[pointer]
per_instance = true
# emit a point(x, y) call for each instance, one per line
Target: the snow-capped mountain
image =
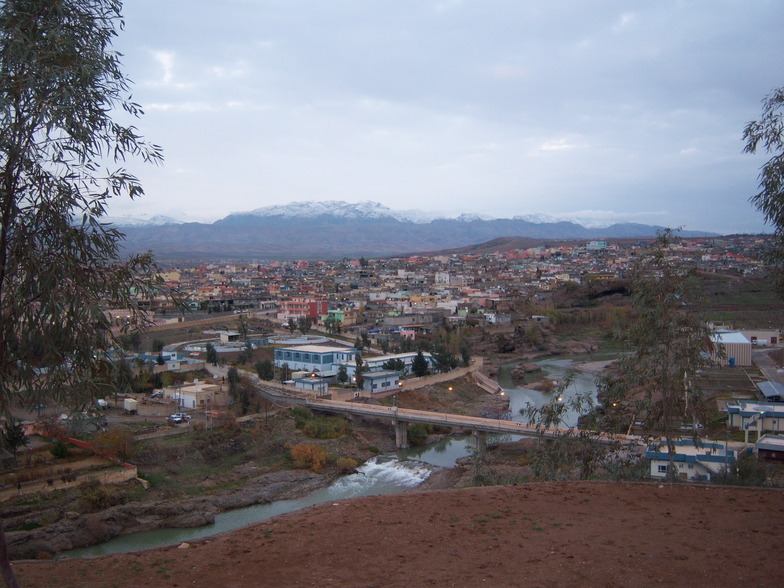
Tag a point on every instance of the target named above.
point(153, 221)
point(336, 208)
point(336, 229)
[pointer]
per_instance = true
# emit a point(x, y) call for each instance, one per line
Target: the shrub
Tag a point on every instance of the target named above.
point(417, 434)
point(325, 427)
point(300, 413)
point(309, 456)
point(94, 496)
point(117, 441)
point(59, 449)
point(346, 465)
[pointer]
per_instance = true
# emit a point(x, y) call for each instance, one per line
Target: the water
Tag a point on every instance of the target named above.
point(443, 454)
point(379, 475)
point(556, 369)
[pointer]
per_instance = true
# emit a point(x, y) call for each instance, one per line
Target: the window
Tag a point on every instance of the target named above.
point(662, 469)
point(691, 466)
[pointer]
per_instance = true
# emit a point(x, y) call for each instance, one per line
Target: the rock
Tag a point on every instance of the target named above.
point(522, 369)
point(183, 546)
point(78, 531)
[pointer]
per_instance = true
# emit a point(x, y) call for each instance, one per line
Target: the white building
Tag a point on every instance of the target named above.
point(762, 417)
point(315, 358)
point(731, 348)
point(692, 462)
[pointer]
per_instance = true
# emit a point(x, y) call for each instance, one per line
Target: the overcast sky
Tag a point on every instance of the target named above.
point(603, 110)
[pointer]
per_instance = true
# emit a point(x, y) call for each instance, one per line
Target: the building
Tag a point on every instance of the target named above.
point(770, 447)
point(318, 386)
point(771, 391)
point(763, 417)
point(730, 348)
point(376, 364)
point(763, 337)
point(198, 395)
point(300, 307)
point(381, 381)
point(693, 462)
point(229, 337)
point(315, 358)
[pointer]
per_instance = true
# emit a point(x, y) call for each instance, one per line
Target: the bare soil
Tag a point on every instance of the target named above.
point(549, 534)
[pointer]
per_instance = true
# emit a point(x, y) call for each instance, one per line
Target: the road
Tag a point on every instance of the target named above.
point(761, 358)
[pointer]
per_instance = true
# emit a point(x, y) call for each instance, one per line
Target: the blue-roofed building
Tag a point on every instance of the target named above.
point(762, 417)
point(771, 391)
point(693, 462)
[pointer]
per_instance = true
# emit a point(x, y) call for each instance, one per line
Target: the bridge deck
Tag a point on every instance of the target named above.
point(448, 419)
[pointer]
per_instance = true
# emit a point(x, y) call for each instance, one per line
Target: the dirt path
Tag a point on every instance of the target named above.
point(565, 534)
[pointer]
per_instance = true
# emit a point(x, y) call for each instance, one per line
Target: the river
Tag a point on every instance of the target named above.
point(379, 475)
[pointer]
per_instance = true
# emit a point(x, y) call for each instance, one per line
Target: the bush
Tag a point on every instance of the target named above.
point(300, 412)
point(59, 449)
point(94, 497)
point(117, 441)
point(417, 434)
point(309, 456)
point(346, 465)
point(747, 470)
point(325, 427)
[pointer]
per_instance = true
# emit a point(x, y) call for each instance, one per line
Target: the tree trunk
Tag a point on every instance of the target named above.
point(9, 577)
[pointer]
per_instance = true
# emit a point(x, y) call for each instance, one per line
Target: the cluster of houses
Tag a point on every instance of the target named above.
point(399, 296)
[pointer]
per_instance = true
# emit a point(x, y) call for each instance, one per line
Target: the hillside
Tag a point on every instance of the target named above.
point(553, 534)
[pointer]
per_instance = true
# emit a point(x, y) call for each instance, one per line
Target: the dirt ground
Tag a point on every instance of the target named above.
point(550, 534)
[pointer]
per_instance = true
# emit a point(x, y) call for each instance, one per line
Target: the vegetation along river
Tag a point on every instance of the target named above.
point(380, 475)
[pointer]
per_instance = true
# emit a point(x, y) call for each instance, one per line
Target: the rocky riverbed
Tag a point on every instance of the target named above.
point(74, 531)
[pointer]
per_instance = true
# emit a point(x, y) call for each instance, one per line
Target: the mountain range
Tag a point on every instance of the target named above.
point(334, 229)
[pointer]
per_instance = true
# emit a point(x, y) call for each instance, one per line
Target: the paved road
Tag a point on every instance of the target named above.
point(762, 360)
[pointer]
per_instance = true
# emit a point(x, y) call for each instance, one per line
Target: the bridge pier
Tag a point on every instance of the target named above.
point(401, 434)
point(481, 441)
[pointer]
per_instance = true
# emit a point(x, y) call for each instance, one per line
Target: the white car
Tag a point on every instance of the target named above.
point(179, 417)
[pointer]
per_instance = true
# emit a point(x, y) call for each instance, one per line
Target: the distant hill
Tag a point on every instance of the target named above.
point(324, 230)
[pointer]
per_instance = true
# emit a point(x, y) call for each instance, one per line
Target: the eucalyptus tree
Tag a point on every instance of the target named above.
point(767, 134)
point(62, 157)
point(668, 343)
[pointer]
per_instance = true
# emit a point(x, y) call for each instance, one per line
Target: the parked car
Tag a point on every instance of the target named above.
point(183, 416)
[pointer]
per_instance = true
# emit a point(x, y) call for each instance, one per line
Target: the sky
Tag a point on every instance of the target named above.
point(603, 111)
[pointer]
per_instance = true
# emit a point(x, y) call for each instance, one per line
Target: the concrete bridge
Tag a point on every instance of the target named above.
point(402, 416)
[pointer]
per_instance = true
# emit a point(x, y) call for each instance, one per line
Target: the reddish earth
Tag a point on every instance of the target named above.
point(555, 534)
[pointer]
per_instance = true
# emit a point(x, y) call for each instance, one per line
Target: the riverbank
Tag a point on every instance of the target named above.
point(549, 534)
point(202, 473)
point(74, 530)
